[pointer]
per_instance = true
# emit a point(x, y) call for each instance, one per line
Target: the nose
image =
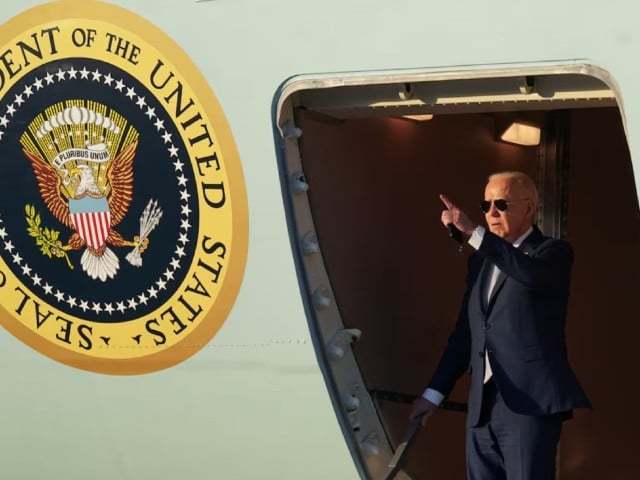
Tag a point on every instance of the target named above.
point(493, 211)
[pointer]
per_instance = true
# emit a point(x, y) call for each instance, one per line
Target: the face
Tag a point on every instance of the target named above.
point(518, 217)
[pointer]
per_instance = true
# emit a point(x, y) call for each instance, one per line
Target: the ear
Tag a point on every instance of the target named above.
point(530, 210)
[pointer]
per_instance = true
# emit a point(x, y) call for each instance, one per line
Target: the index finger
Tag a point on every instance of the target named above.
point(446, 202)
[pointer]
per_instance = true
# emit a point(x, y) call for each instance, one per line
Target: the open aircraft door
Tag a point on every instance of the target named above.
point(363, 158)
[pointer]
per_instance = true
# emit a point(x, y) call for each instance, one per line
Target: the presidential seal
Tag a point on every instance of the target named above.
point(123, 212)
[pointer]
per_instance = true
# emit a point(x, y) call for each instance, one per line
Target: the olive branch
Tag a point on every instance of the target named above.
point(45, 237)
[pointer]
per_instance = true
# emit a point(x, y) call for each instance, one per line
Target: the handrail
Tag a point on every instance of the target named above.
point(402, 451)
point(400, 456)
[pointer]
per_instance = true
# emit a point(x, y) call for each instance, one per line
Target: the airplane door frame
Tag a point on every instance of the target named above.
point(332, 95)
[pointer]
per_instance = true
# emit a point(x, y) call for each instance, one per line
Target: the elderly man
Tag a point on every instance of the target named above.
point(510, 334)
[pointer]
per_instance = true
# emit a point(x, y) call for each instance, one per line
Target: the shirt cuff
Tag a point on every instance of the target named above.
point(433, 396)
point(475, 240)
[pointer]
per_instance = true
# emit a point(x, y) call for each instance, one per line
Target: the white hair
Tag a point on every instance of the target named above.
point(522, 180)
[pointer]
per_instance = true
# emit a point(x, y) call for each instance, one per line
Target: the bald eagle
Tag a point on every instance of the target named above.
point(109, 207)
point(87, 184)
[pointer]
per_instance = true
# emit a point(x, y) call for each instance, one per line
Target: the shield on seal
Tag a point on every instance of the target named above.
point(91, 218)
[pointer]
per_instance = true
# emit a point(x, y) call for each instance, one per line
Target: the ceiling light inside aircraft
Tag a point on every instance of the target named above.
point(419, 118)
point(521, 133)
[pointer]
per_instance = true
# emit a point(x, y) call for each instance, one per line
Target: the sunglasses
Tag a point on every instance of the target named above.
point(501, 204)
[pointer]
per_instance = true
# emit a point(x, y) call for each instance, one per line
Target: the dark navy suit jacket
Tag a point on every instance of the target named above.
point(522, 329)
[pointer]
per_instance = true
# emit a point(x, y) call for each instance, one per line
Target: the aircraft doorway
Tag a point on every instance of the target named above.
point(377, 266)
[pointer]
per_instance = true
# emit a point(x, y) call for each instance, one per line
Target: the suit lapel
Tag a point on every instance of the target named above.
point(483, 284)
point(496, 288)
point(528, 247)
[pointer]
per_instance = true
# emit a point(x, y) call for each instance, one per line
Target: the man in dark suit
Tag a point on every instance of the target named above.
point(511, 335)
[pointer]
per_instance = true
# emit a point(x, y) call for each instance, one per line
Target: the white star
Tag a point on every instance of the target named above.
point(161, 284)
point(119, 85)
point(17, 258)
point(4, 121)
point(159, 124)
point(96, 307)
point(175, 263)
point(60, 74)
point(8, 246)
point(38, 83)
point(84, 305)
point(47, 288)
point(166, 137)
point(11, 109)
point(173, 151)
point(151, 112)
point(169, 274)
point(185, 225)
point(143, 298)
point(182, 181)
point(49, 79)
point(96, 75)
point(120, 307)
point(19, 99)
point(26, 269)
point(59, 295)
point(84, 73)
point(71, 301)
point(185, 209)
point(131, 93)
point(108, 79)
point(132, 303)
point(108, 308)
point(178, 165)
point(180, 251)
point(3, 232)
point(183, 239)
point(72, 73)
point(36, 279)
point(28, 91)
point(153, 293)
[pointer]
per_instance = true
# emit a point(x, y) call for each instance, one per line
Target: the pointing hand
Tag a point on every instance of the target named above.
point(453, 215)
